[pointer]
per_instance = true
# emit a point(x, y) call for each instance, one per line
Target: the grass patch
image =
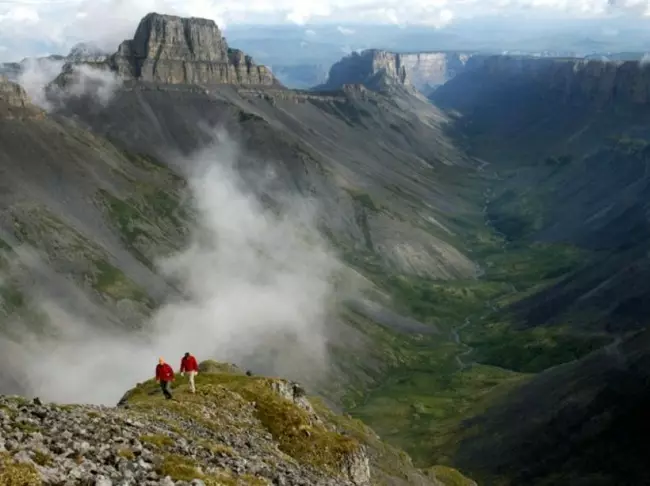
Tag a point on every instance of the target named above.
point(42, 458)
point(111, 281)
point(218, 449)
point(449, 476)
point(527, 266)
point(530, 350)
point(157, 440)
point(126, 453)
point(435, 302)
point(420, 410)
point(211, 366)
point(127, 217)
point(26, 427)
point(179, 468)
point(16, 474)
point(11, 299)
point(364, 199)
point(151, 219)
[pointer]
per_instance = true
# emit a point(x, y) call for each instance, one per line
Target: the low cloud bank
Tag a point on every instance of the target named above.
point(256, 287)
point(82, 80)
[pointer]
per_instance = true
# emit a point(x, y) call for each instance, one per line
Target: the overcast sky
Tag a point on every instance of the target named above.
point(36, 27)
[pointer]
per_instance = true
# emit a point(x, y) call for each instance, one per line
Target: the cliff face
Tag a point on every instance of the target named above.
point(428, 70)
point(173, 50)
point(378, 69)
point(373, 68)
point(581, 81)
point(12, 94)
point(14, 101)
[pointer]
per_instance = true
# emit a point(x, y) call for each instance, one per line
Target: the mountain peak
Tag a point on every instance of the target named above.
point(374, 68)
point(172, 38)
point(167, 49)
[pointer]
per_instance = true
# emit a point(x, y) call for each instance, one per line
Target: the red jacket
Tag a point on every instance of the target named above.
point(164, 372)
point(189, 364)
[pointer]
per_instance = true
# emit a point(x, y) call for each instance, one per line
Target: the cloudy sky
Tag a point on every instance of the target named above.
point(34, 27)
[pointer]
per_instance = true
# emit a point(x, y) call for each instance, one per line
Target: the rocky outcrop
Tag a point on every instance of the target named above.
point(12, 94)
point(14, 102)
point(235, 430)
point(297, 395)
point(86, 52)
point(177, 51)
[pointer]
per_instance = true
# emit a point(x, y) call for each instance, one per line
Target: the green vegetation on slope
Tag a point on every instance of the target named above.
point(153, 218)
point(420, 410)
point(428, 385)
point(111, 281)
point(67, 250)
point(529, 350)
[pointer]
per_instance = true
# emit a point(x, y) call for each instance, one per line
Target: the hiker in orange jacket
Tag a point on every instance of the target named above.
point(189, 364)
point(164, 376)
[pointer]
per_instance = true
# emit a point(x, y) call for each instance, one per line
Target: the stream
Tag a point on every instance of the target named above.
point(455, 332)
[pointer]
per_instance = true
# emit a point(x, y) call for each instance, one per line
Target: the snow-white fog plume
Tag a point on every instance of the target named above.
point(83, 80)
point(35, 75)
point(256, 288)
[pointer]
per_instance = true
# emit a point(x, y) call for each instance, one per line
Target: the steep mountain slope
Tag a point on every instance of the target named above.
point(575, 164)
point(547, 107)
point(566, 142)
point(588, 421)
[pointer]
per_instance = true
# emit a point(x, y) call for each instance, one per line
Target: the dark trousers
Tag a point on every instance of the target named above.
point(164, 385)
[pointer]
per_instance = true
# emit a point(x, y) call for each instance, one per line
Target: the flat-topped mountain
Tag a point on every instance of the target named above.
point(173, 50)
point(374, 68)
point(377, 69)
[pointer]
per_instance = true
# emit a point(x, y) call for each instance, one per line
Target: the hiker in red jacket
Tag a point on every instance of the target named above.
point(164, 376)
point(189, 364)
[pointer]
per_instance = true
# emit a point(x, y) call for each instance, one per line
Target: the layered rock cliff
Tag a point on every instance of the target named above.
point(428, 70)
point(570, 80)
point(172, 50)
point(378, 69)
point(373, 68)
